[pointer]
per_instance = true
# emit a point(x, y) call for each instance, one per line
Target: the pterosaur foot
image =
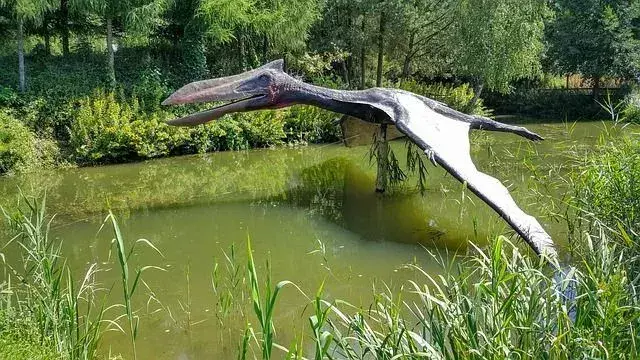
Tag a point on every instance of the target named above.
point(431, 155)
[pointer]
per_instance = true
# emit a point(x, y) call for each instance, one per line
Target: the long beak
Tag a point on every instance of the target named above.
point(220, 89)
point(242, 92)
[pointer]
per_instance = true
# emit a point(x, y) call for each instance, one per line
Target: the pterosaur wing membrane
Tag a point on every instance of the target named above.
point(446, 141)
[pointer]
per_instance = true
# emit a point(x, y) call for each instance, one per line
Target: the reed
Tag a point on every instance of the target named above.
point(42, 291)
point(130, 285)
point(495, 303)
point(67, 315)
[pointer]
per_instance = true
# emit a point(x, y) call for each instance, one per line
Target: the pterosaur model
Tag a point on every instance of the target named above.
point(440, 131)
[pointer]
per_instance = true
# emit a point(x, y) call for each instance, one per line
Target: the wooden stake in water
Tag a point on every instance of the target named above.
point(382, 149)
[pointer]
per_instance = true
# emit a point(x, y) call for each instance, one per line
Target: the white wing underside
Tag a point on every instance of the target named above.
point(448, 141)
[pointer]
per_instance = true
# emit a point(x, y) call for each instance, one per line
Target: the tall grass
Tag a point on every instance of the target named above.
point(43, 290)
point(129, 285)
point(66, 315)
point(496, 303)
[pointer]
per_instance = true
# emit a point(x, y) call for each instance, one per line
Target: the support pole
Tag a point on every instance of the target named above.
point(382, 148)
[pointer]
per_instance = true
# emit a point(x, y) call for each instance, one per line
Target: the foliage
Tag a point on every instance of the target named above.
point(494, 303)
point(105, 130)
point(607, 188)
point(21, 340)
point(309, 124)
point(457, 97)
point(7, 96)
point(55, 315)
point(419, 34)
point(17, 145)
point(43, 285)
point(499, 41)
point(555, 104)
point(595, 38)
point(631, 109)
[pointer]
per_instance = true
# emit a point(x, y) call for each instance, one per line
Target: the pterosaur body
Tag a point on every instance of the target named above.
point(440, 131)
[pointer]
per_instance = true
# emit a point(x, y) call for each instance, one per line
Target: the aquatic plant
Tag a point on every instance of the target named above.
point(129, 284)
point(42, 291)
point(61, 313)
point(493, 303)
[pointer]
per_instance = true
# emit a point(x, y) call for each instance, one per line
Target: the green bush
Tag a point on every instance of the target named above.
point(263, 128)
point(457, 97)
point(7, 96)
point(309, 124)
point(556, 104)
point(17, 145)
point(631, 109)
point(104, 131)
point(608, 188)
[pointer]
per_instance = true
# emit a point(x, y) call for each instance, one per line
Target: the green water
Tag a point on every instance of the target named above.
point(311, 211)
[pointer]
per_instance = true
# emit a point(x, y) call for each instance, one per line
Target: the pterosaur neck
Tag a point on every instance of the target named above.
point(340, 101)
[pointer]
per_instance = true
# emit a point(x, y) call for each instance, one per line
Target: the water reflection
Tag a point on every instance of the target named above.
point(341, 192)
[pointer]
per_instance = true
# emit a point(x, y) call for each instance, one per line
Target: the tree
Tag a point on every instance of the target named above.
point(496, 42)
point(135, 15)
point(22, 11)
point(595, 38)
point(421, 32)
point(258, 28)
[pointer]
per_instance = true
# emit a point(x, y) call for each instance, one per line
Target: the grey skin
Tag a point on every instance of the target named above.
point(439, 130)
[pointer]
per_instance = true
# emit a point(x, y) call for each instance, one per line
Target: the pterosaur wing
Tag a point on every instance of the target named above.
point(446, 141)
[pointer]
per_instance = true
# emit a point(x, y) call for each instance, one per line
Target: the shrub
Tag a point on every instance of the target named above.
point(457, 97)
point(7, 96)
point(557, 104)
point(105, 130)
point(309, 124)
point(631, 109)
point(607, 190)
point(263, 128)
point(17, 145)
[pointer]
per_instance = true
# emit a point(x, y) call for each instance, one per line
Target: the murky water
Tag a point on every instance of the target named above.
point(310, 211)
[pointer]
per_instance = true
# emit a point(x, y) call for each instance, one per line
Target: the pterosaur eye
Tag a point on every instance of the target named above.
point(264, 79)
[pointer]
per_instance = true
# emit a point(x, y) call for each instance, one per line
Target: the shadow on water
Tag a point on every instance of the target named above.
point(342, 192)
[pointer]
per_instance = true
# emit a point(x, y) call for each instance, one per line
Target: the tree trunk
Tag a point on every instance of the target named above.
point(348, 61)
point(22, 86)
point(380, 49)
point(568, 81)
point(363, 56)
point(46, 35)
point(382, 156)
point(596, 85)
point(345, 72)
point(194, 56)
point(111, 71)
point(406, 67)
point(477, 91)
point(64, 25)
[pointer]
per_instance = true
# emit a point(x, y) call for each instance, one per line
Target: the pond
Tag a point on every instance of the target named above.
point(311, 211)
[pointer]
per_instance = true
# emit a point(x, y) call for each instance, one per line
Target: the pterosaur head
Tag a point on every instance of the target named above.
point(252, 90)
